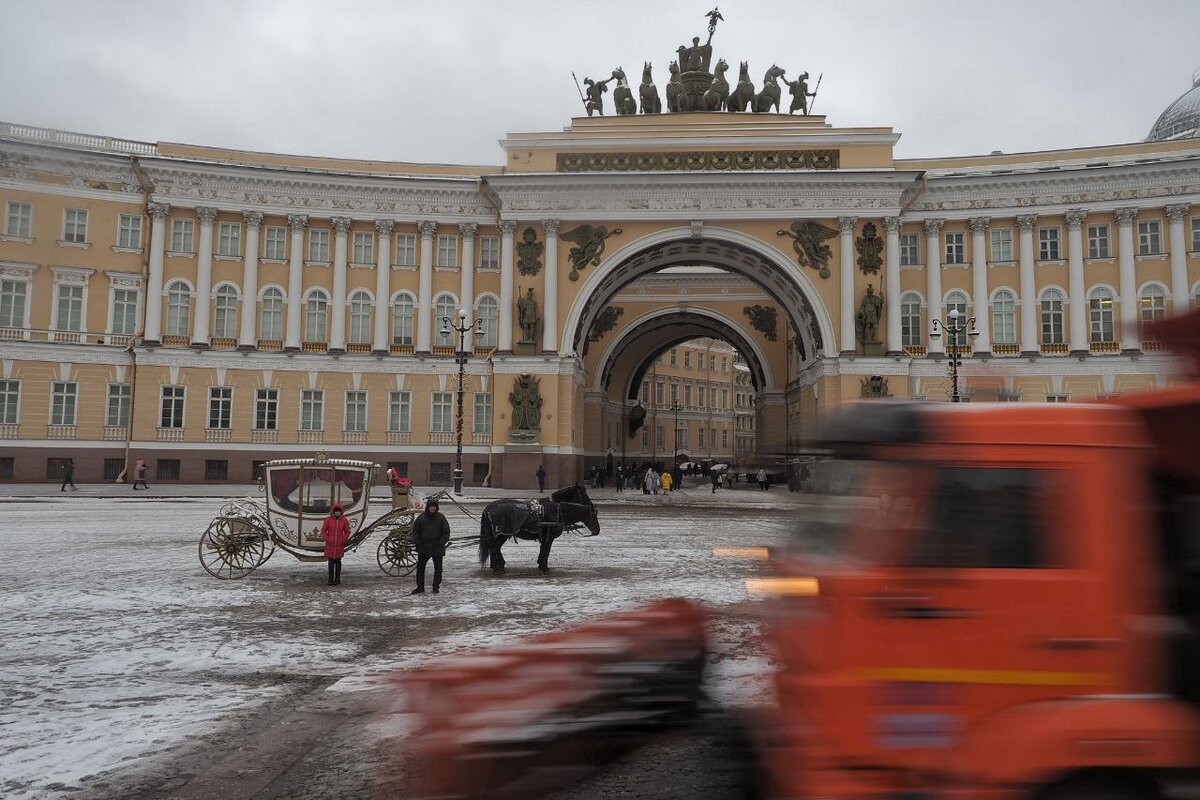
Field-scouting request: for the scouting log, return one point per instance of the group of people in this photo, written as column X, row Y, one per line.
column 431, row 535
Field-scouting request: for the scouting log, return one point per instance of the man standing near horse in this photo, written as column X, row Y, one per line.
column 431, row 532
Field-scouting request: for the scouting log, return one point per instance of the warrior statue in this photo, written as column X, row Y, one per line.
column 529, row 318
column 870, row 310
column 800, row 94
column 595, row 95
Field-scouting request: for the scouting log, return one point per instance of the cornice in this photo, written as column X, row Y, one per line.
column 706, row 139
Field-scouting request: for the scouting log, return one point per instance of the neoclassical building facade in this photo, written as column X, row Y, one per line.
column 207, row 309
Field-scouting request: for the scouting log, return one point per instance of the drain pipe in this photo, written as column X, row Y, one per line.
column 147, row 189
column 487, row 479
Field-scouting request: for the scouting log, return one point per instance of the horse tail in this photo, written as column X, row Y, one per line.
column 486, row 534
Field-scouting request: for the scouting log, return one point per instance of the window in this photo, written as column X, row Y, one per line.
column 70, row 308
column 674, row 393
column 356, row 411
column 479, row 471
column 1002, row 244
column 225, row 312
column 439, row 472
column 183, row 235
column 266, row 409
column 312, row 410
column 442, row 420
column 360, row 318
column 957, row 301
column 220, row 407
column 167, row 469
column 172, row 407
column 712, row 398
column 725, row 399
column 1195, row 234
column 687, row 358
column 364, row 248
column 19, row 220
column 662, row 438
column 400, row 412
column 911, row 333
column 910, row 249
column 658, row 393
column 229, row 239
column 674, row 357
column 489, row 321
column 489, row 253
column 1058, row 398
column 275, row 243
column 75, row 225
column 956, row 247
column 1098, row 241
column 1048, row 249
column 1004, row 317
column 1154, row 304
column 700, row 361
column 406, row 250
column 700, row 439
column 687, row 395
column 272, row 314
column 179, row 308
column 7, row 464
column 120, row 396
column 113, row 467
column 483, row 412
column 10, row 394
column 12, row 303
column 216, row 469
column 445, row 309
column 316, row 316
column 1100, row 312
column 402, row 319
column 447, row 252
column 318, row 246
column 1149, row 238
column 129, row 231
column 124, row 311
column 724, row 438
column 1052, row 317
column 646, row 438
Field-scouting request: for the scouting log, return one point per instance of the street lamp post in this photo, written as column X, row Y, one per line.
column 675, row 408
column 462, row 327
column 954, row 327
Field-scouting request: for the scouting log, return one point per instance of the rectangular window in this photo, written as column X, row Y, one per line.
column 1002, row 244
column 1098, row 241
column 489, row 253
column 400, row 412
column 120, row 396
column 1196, row 234
column 725, row 399
column 724, row 439
column 318, row 246
column 10, row 394
column 700, row 439
column 687, row 358
column 1048, row 249
column 662, row 437
column 483, row 412
column 364, row 248
column 442, row 421
column 63, row 396
column 75, row 225
column 645, row 438
column 7, row 465
column 674, row 393
column 1150, row 238
column 124, row 312
column 183, row 233
column 220, row 407
column 312, row 410
column 406, row 250
column 479, row 471
column 216, row 469
column 19, row 220
column 266, row 409
column 645, row 393
column 113, row 467
column 167, row 469
column 275, row 243
column 447, row 252
column 129, row 231
column 687, row 396
column 356, row 411
column 439, row 472
column 229, row 239
column 12, row 303
column 910, row 249
column 658, row 393
column 1058, row 398
column 70, row 308
column 700, row 361
column 172, row 407
column 956, row 247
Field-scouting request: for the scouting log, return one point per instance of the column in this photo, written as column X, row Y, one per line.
column 152, row 330
column 425, row 290
column 508, row 229
column 204, row 259
column 979, row 286
column 466, row 296
column 550, row 304
column 295, row 290
column 249, row 337
column 846, row 278
column 383, row 284
column 1180, row 291
column 933, row 279
column 891, row 289
column 337, row 317
column 1075, row 285
column 1130, row 335
column 1029, row 302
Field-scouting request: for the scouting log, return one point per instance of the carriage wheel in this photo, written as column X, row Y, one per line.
column 232, row 548
column 398, row 554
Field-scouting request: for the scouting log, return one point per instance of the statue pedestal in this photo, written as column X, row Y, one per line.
column 872, row 348
column 523, row 437
column 524, row 348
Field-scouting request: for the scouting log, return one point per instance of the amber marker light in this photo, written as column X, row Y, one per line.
column 784, row 587
column 755, row 553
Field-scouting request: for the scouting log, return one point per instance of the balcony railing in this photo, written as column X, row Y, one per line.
column 224, row 343
column 1104, row 347
column 312, row 437
column 1006, row 349
column 443, row 350
column 402, row 349
column 441, row 438
column 264, row 437
column 963, row 350
column 270, row 344
column 358, row 347
column 481, row 438
column 174, row 340
column 399, row 437
column 218, row 435
column 170, row 434
column 87, row 140
column 354, row 437
column 914, row 350
column 118, row 339
column 60, row 431
column 66, row 337
column 115, row 433
column 9, row 430
column 314, row 347
column 1151, row 346
column 1055, row 348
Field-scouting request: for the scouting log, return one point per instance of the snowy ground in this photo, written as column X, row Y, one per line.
column 127, row 671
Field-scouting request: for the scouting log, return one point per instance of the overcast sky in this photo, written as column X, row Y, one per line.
column 443, row 80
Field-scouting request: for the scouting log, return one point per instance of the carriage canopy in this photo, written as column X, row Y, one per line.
column 301, row 491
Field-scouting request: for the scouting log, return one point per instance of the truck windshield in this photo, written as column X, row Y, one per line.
column 856, row 507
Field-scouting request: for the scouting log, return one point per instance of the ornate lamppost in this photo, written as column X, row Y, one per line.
column 460, row 355
column 954, row 326
column 675, row 407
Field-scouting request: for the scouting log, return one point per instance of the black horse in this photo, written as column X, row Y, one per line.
column 542, row 519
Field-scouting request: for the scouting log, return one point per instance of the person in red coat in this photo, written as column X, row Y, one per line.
column 335, row 530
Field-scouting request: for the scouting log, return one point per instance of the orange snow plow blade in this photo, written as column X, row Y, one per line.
column 523, row 720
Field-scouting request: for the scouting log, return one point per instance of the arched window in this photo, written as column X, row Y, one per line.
column 402, row 319
column 489, row 321
column 179, row 309
column 316, row 316
column 1052, row 316
column 957, row 301
column 1100, row 312
column 1004, row 317
column 272, row 314
column 911, row 333
column 225, row 308
column 360, row 317
column 445, row 308
column 1154, row 304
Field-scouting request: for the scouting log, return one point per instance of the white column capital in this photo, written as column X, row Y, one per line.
column 298, row 222
column 207, row 215
column 1125, row 216
column 846, row 224
column 253, row 218
column 508, row 227
column 1075, row 218
column 552, row 227
column 933, row 227
column 1027, row 222
column 468, row 229
column 1177, row 213
column 978, row 225
column 427, row 228
column 384, row 227
column 891, row 224
column 341, row 225
column 158, row 211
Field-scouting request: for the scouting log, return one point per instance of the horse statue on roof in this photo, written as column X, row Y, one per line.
column 743, row 95
column 769, row 96
column 651, row 102
column 542, row 520
column 717, row 94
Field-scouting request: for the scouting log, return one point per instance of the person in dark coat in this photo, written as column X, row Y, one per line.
column 335, row 530
column 716, row 480
column 431, row 532
column 541, row 476
column 68, row 475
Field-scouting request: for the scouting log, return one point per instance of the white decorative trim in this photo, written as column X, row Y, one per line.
column 16, row 270
column 72, row 276
column 124, row 280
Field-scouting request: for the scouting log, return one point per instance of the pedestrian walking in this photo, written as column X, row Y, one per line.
column 666, row 481
column 431, row 532
column 716, row 481
column 620, row 479
column 335, row 530
column 541, row 476
column 650, row 484
column 139, row 474
column 67, row 470
column 763, row 483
